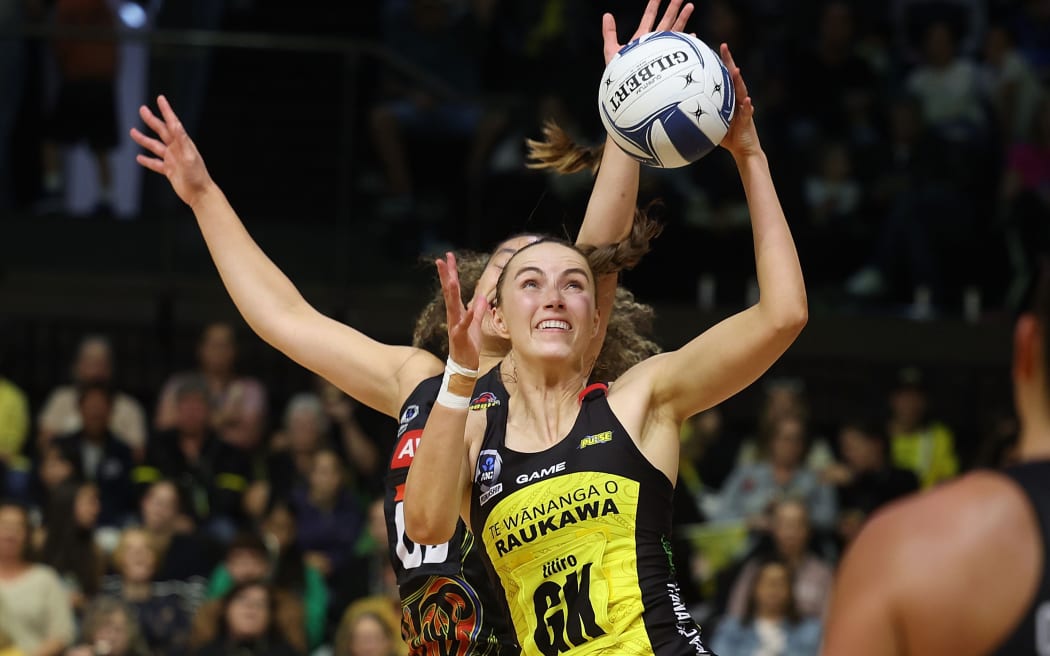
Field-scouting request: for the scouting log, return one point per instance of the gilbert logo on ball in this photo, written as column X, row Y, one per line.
column 666, row 99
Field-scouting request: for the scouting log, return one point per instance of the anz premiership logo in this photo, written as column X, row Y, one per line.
column 486, row 475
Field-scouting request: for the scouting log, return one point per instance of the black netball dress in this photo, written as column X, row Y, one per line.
column 578, row 536
column 1032, row 634
column 448, row 606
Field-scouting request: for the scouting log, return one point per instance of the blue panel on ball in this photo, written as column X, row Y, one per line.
column 686, row 137
column 728, row 96
column 641, row 135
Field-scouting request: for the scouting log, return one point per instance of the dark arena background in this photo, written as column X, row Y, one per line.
column 909, row 141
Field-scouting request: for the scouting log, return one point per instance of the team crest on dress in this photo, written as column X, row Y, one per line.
column 484, row 401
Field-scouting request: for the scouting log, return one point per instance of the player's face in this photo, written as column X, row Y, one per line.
column 547, row 303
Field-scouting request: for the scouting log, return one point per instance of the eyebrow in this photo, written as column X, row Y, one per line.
column 567, row 272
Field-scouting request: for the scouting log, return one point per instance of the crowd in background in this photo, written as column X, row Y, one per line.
column 910, row 143
column 205, row 520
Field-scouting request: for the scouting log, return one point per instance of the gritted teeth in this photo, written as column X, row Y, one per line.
column 556, row 324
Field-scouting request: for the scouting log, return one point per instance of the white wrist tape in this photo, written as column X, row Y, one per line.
column 447, row 398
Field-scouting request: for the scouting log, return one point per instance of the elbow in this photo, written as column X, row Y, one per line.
column 426, row 528
column 791, row 318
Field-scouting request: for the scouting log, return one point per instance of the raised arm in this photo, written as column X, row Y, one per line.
column 440, row 471
column 735, row 352
column 378, row 375
column 611, row 207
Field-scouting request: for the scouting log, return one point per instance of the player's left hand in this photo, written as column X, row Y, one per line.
column 674, row 20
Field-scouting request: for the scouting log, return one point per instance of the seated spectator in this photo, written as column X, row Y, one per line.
column 93, row 364
column 53, row 468
column 1011, row 84
column 245, row 622
column 866, row 479
column 354, row 445
column 185, row 554
column 369, row 627
column 752, row 489
column 210, row 474
column 36, row 612
column 770, row 624
column 98, row 456
column 1025, row 195
column 248, row 559
column 237, row 404
column 14, row 421
column 161, row 617
column 835, row 234
column 812, row 576
column 330, row 517
column 294, row 573
column 69, row 541
column 304, row 431
column 783, row 397
column 109, row 628
column 918, row 443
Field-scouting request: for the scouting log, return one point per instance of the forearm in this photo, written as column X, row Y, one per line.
column 261, row 292
column 610, row 210
column 783, row 290
column 436, row 478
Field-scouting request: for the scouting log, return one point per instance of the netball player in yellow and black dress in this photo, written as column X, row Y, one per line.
column 568, row 488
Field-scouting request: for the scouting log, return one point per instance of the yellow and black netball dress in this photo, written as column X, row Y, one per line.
column 448, row 605
column 578, row 536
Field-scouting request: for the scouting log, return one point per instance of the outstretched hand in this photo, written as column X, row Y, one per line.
column 464, row 324
column 742, row 139
column 175, row 155
column 674, row 20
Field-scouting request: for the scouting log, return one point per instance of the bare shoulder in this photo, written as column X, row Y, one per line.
column 946, row 565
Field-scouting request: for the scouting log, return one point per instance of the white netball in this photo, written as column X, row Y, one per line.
column 666, row 99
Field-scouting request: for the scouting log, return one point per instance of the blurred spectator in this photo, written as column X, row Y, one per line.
column 359, row 449
column 912, row 19
column 85, row 110
column 370, row 574
column 185, row 554
column 436, row 37
column 93, row 364
column 160, row 616
column 1031, row 24
column 771, row 624
column 294, row 573
column 834, row 201
column 248, row 559
column 69, row 541
column 832, row 71
column 369, row 627
column 98, row 456
column 211, row 475
column 707, row 457
column 752, row 489
column 11, row 74
column 109, row 628
column 35, row 610
column 812, row 577
column 245, row 622
column 238, row 403
column 784, row 398
column 53, row 468
column 330, row 517
column 1025, row 197
column 14, row 420
column 920, row 444
column 947, row 86
column 1010, row 83
column 866, row 478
